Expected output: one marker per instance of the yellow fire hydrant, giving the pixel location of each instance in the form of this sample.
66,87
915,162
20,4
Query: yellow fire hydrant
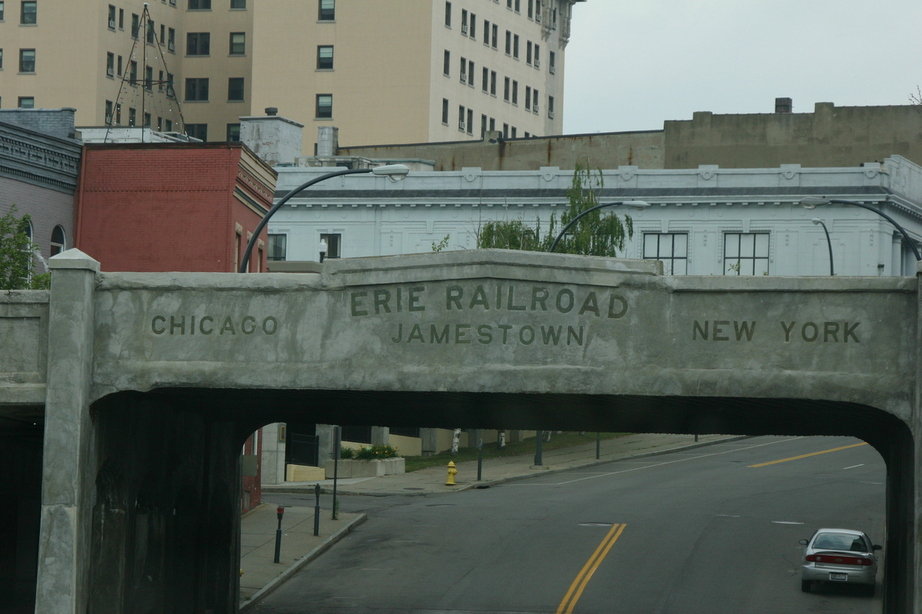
450,480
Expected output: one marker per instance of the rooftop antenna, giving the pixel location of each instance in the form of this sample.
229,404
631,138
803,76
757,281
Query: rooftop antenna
145,28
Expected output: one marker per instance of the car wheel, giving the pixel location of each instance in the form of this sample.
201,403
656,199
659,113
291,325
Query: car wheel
805,586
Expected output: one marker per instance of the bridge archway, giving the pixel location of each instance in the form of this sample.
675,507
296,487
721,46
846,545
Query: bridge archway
166,517
479,339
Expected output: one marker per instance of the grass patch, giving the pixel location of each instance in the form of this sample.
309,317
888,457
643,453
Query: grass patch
490,450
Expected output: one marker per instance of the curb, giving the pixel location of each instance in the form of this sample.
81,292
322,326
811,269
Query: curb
304,560
544,471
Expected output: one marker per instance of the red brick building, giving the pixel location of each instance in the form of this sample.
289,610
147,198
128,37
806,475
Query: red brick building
175,207
171,207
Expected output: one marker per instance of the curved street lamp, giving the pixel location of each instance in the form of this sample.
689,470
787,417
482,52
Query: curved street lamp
637,204
812,202
817,220
395,172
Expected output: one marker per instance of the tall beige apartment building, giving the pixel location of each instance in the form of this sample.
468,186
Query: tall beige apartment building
381,71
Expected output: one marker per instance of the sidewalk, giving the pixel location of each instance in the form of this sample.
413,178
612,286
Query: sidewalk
260,574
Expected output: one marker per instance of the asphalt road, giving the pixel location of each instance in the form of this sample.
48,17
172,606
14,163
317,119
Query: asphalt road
711,530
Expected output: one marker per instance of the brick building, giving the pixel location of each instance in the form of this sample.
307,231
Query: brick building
171,207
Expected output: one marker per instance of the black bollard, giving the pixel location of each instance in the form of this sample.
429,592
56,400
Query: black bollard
316,509
280,511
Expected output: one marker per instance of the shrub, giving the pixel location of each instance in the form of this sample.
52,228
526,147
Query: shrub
375,452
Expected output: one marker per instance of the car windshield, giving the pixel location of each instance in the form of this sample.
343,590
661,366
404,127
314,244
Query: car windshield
840,541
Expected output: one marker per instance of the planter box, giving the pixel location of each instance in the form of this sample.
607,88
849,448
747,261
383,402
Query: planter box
352,468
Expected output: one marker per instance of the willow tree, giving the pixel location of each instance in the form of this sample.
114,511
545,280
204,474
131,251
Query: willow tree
599,233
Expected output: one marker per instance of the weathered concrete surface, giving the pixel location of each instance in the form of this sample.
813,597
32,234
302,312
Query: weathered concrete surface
506,322
154,381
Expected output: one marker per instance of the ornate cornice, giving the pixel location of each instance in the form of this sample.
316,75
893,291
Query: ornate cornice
39,159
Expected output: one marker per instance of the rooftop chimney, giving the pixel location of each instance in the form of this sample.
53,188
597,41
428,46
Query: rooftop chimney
784,105
272,110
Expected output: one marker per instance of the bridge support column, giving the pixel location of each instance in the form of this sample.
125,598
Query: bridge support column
67,474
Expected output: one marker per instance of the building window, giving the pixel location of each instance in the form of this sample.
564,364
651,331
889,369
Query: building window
445,111
333,243
278,248
197,89
27,60
486,33
171,39
746,253
508,42
537,60
550,107
108,112
534,100
135,24
199,5
150,32
146,120
447,14
326,10
669,247
1,9
464,21
460,118
133,72
197,131
238,4
111,16
485,79
235,89
29,14
233,133
506,86
132,116
515,92
148,78
515,46
552,62
198,43
121,19
324,106
110,64
473,31
446,63
58,240
494,36
238,43
324,57
26,102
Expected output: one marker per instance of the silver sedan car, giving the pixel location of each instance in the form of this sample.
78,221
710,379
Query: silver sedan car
839,556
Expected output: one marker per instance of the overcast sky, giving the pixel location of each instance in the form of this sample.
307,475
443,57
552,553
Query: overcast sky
632,64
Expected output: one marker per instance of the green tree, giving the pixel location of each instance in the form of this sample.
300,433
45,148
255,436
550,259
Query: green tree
16,254
600,233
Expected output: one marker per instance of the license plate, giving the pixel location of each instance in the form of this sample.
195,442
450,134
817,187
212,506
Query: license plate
835,576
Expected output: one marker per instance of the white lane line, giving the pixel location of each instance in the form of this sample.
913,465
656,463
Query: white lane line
654,465
785,522
852,467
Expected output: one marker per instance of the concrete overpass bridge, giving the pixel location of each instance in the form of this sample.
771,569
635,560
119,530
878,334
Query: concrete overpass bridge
147,385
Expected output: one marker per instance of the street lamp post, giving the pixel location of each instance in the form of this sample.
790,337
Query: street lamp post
392,171
817,220
637,204
812,202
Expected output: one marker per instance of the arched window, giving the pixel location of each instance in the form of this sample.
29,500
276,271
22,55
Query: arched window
58,240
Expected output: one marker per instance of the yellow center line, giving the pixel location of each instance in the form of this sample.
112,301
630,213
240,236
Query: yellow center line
793,458
582,578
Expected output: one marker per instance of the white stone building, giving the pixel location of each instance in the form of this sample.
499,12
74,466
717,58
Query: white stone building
705,221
